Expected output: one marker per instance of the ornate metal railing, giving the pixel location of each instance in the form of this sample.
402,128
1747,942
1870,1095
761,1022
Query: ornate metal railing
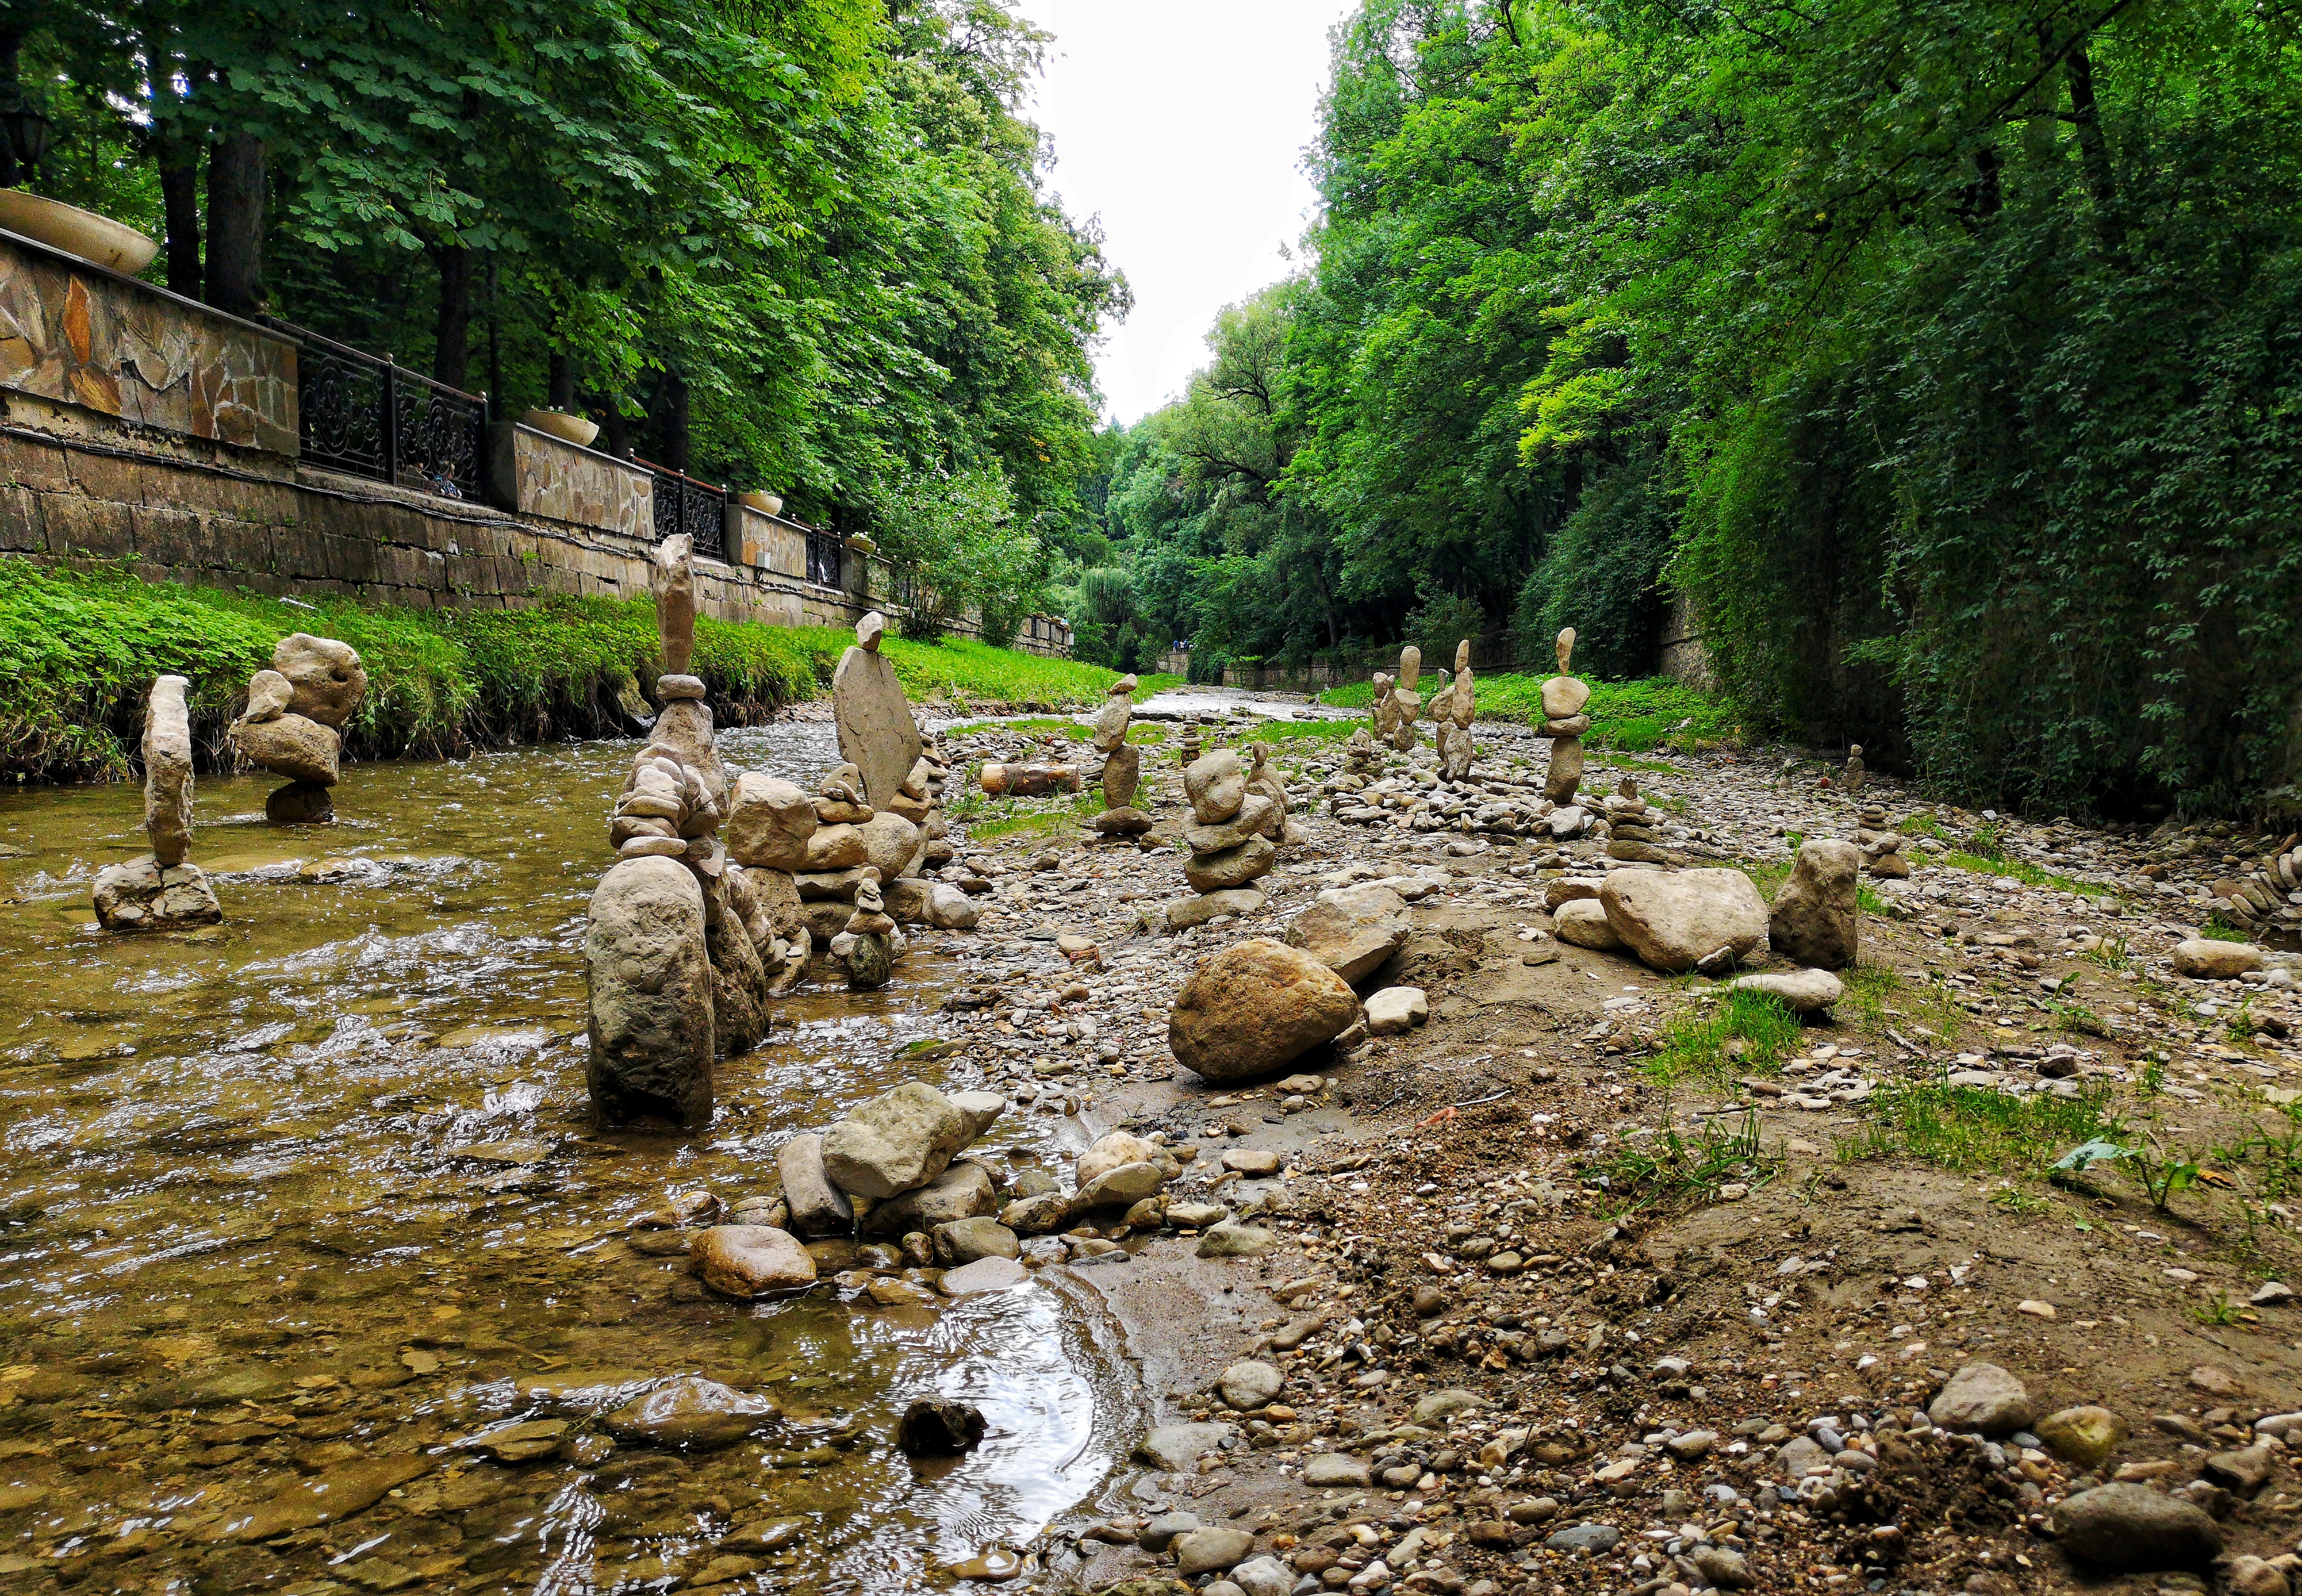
375,419
822,557
683,504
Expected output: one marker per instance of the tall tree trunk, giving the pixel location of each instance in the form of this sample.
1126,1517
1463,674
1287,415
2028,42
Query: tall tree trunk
616,427
12,41
2094,149
235,257
452,331
559,375
495,341
675,420
179,203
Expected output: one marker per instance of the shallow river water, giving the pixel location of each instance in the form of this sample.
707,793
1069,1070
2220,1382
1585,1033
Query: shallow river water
290,1206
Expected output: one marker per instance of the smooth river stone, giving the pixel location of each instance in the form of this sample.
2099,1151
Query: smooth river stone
1564,696
692,1414
326,1497
900,1140
751,1261
769,823
168,771
294,746
675,601
1216,785
1122,773
876,733
650,982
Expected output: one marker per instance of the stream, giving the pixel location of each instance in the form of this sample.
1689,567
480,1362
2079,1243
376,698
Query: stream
291,1204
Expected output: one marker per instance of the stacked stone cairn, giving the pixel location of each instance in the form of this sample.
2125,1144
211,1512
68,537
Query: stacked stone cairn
1630,836
293,725
1122,764
1454,748
1564,723
162,890
1362,757
2266,898
1881,845
1406,702
1232,842
673,952
1856,772
1383,717
867,946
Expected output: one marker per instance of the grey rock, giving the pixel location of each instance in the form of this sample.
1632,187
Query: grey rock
1351,930
1176,1448
1185,912
1228,1240
692,1414
902,1139
769,823
140,896
1799,1457
1160,1533
293,745
1593,1538
1724,1567
1249,1385
1128,1184
1265,1576
2131,1529
1230,868
1806,991
650,987
1814,920
962,1191
1673,919
1255,1007
966,1240
1443,1405
1983,1397
1333,1471
751,1261
324,678
168,771
876,733
1211,1549
817,1207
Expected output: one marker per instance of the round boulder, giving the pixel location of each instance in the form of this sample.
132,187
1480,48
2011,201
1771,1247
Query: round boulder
1675,920
1255,1007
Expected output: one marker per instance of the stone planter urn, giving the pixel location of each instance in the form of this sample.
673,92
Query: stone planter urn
767,504
98,239
573,429
860,544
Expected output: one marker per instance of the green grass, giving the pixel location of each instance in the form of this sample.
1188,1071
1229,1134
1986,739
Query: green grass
1698,1044
1634,717
79,652
1675,1169
1968,1129
2029,875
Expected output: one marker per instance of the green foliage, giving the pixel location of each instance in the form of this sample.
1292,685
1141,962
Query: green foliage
958,538
1675,1169
79,652
1744,1033
1969,1130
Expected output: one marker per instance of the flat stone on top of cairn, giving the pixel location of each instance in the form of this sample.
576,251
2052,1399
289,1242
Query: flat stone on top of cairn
162,890
876,733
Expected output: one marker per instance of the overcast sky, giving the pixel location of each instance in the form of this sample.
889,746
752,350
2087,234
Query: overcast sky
1182,125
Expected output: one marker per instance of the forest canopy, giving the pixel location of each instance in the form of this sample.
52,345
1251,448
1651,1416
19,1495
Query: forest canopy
1939,356
798,245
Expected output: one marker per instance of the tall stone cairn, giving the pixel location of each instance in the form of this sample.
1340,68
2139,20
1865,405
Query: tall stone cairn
1383,717
1122,763
876,733
162,890
293,725
1230,845
1406,702
673,964
1454,746
1856,771
1564,723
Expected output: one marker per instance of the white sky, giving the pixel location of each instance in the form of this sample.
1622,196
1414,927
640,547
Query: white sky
1182,123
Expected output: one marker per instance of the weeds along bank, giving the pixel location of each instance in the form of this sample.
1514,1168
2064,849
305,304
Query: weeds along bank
78,651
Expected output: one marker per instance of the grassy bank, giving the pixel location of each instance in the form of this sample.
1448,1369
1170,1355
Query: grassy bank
1631,716
77,652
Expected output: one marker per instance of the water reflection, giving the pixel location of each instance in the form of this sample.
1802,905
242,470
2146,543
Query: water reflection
290,1204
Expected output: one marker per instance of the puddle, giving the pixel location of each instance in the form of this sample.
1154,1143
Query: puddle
289,1204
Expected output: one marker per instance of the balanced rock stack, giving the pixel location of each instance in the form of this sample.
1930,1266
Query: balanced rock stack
1122,764
1406,702
1564,723
1383,716
2268,896
1455,749
1263,777
866,947
1855,769
876,733
1631,837
1230,845
162,890
1361,757
1881,845
293,725
674,962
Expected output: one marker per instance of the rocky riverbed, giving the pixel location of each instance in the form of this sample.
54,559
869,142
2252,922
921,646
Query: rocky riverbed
1589,1280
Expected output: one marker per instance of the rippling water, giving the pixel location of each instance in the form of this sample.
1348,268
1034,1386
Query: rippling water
289,1205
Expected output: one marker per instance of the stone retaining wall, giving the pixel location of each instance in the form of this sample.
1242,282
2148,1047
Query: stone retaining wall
137,425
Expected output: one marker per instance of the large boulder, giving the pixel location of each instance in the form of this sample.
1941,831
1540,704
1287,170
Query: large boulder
294,746
2131,1529
891,844
324,678
2210,958
1673,921
898,1140
948,909
1814,918
876,733
651,994
1233,867
1255,1007
1351,930
769,823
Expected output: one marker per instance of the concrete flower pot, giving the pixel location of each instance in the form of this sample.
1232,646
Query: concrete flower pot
767,504
860,544
96,240
575,429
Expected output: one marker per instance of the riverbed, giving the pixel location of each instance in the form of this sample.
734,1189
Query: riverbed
296,1204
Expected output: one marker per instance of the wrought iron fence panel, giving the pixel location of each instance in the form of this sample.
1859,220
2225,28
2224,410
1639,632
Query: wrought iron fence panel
683,504
822,558
371,417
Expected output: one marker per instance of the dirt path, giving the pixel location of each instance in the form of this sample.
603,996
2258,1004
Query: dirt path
1559,1275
